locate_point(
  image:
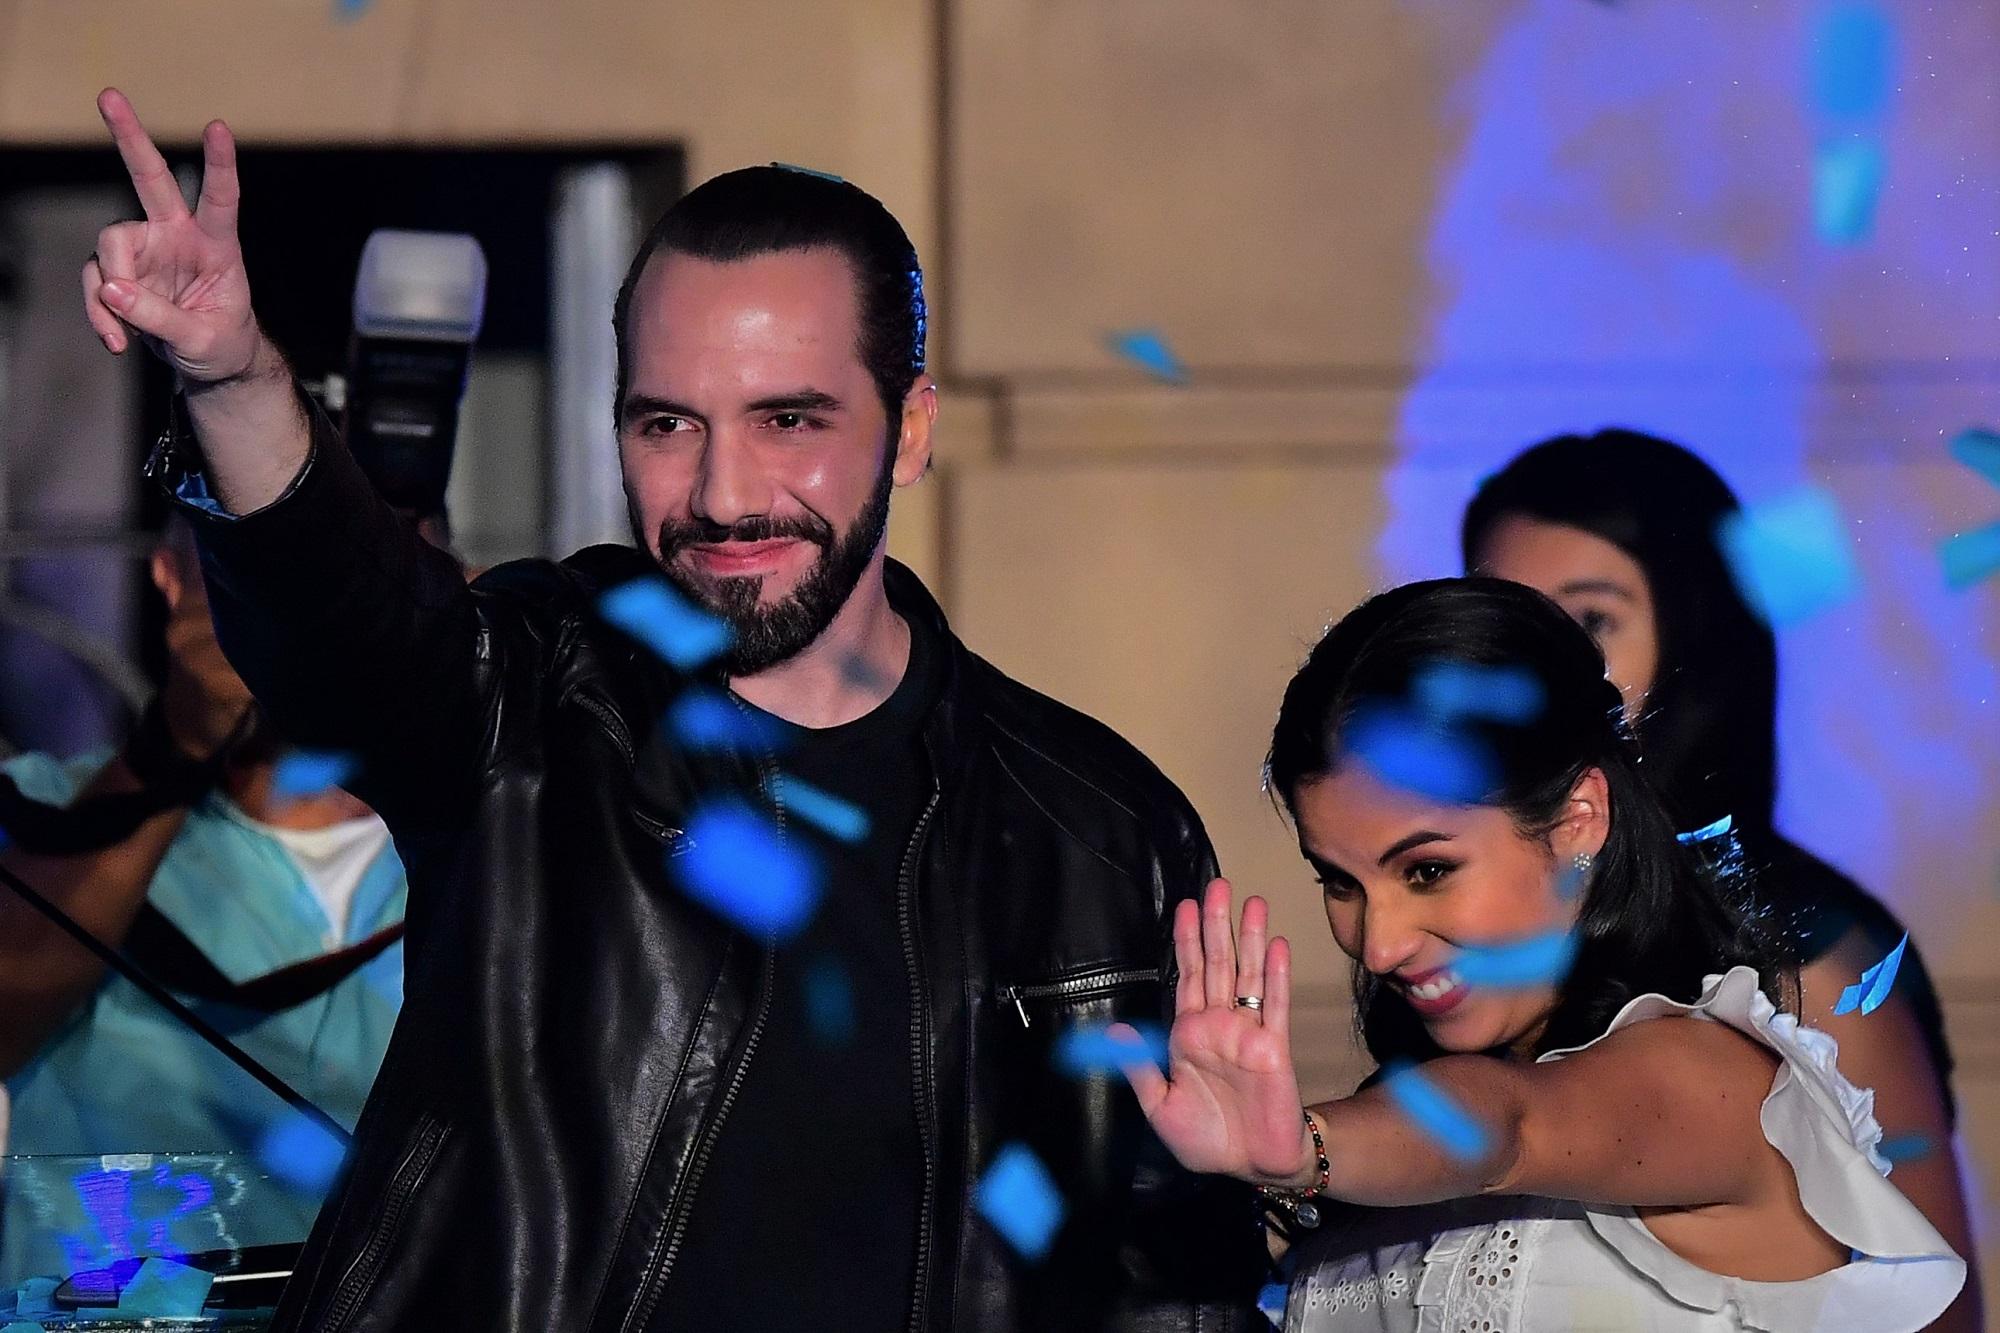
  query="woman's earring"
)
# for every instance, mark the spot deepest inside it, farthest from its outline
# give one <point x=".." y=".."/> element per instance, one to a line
<point x="1572" y="881"/>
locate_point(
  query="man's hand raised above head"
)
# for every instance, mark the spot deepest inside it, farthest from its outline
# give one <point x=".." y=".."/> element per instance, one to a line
<point x="175" y="279"/>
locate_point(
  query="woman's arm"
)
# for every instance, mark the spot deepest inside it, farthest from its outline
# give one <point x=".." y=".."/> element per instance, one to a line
<point x="1663" y="1113"/>
<point x="1886" y="1051"/>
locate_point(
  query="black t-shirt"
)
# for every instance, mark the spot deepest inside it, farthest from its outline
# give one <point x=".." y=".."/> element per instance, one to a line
<point x="806" y="1216"/>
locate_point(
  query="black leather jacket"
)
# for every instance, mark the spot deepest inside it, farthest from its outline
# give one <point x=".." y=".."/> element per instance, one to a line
<point x="575" y="1028"/>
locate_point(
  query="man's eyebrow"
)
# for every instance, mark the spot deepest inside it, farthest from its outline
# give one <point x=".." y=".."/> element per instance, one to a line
<point x="642" y="405"/>
<point x="799" y="400"/>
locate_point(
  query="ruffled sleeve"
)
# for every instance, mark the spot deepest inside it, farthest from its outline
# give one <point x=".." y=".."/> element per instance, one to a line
<point x="1903" y="1274"/>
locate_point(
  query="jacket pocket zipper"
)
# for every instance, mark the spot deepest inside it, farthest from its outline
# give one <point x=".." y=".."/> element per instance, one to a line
<point x="410" y="1173"/>
<point x="1074" y="988"/>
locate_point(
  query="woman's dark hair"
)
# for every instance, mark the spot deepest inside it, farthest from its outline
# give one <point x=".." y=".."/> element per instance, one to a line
<point x="768" y="210"/>
<point x="1649" y="919"/>
<point x="1709" y="728"/>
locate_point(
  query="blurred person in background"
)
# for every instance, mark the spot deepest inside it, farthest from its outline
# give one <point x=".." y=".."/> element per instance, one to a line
<point x="280" y="917"/>
<point x="1620" y="529"/>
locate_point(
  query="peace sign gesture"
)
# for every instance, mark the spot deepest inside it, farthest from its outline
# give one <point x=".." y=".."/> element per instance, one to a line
<point x="176" y="279"/>
<point x="1229" y="1102"/>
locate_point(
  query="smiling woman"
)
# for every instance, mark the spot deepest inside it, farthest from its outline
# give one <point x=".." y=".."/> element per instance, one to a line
<point x="1635" y="1135"/>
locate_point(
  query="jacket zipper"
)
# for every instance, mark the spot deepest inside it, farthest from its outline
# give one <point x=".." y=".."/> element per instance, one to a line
<point x="1072" y="987"/>
<point x="360" y="1274"/>
<point x="660" y="1266"/>
<point x="920" y="1048"/>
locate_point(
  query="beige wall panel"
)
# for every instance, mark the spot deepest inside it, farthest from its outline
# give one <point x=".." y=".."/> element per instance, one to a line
<point x="1255" y="183"/>
<point x="275" y="69"/>
<point x="1174" y="602"/>
<point x="844" y="87"/>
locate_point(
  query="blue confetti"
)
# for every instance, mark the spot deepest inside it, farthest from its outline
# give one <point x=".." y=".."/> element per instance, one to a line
<point x="1847" y="183"/>
<point x="1868" y="993"/>
<point x="1271" y="1302"/>
<point x="1405" y="750"/>
<point x="1852" y="62"/>
<point x="1450" y="691"/>
<point x="829" y="1004"/>
<point x="162" y="1289"/>
<point x="1094" y="1049"/>
<point x="1147" y="349"/>
<point x="808" y="171"/>
<point x="346" y="11"/>
<point x="1791" y="557"/>
<point x="301" y="1153"/>
<point x="1571" y="881"/>
<point x="674" y="628"/>
<point x="304" y="773"/>
<point x="823" y="810"/>
<point x="1970" y="556"/>
<point x="1899" y="1148"/>
<point x="1721" y="828"/>
<point x="1448" y="1124"/>
<point x="734" y="862"/>
<point x="1538" y="960"/>
<point x="22" y="1326"/>
<point x="1980" y="451"/>
<point x="708" y="720"/>
<point x="1017" y="1196"/>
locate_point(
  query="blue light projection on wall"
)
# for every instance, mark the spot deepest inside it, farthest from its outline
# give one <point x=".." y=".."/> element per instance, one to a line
<point x="1627" y="237"/>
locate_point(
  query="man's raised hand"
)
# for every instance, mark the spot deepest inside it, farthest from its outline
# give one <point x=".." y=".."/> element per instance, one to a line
<point x="176" y="279"/>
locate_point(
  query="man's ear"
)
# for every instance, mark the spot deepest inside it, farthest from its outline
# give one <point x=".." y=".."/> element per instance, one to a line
<point x="913" y="439"/>
<point x="168" y="577"/>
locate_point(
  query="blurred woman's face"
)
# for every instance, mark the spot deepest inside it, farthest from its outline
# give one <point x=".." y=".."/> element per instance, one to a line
<point x="1409" y="883"/>
<point x="1603" y="589"/>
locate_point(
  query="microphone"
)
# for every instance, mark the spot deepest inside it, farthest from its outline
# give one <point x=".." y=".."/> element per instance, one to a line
<point x="419" y="299"/>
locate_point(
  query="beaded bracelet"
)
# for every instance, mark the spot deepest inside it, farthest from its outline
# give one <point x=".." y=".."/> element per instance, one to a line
<point x="1298" y="1204"/>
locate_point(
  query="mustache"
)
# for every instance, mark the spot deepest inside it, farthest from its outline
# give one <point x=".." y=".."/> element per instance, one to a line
<point x="676" y="534"/>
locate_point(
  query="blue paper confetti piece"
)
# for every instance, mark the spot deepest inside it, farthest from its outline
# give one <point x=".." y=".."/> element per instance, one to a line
<point x="22" y="1326"/>
<point x="162" y="1289"/>
<point x="1405" y="750"/>
<point x="301" y="1153"/>
<point x="1454" y="690"/>
<point x="808" y="171"/>
<point x="1147" y="349"/>
<point x="829" y="1003"/>
<point x="1847" y="183"/>
<point x="1868" y="993"/>
<point x="1852" y="61"/>
<point x="1537" y="960"/>
<point x="36" y="1296"/>
<point x="346" y="11"/>
<point x="1899" y="1148"/>
<point x="1570" y="881"/>
<point x="708" y="720"/>
<point x="823" y="810"/>
<point x="734" y="862"/>
<point x="1721" y="828"/>
<point x="1271" y="1299"/>
<point x="1094" y="1049"/>
<point x="1970" y="556"/>
<point x="1447" y="1124"/>
<point x="1979" y="450"/>
<point x="674" y="628"/>
<point x="1791" y="557"/>
<point x="304" y="773"/>
<point x="1017" y="1196"/>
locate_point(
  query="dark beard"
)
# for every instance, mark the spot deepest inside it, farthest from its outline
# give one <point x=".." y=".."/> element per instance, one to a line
<point x="764" y="636"/>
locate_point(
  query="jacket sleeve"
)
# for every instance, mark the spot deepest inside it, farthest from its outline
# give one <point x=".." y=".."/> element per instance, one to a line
<point x="1199" y="1236"/>
<point x="353" y="633"/>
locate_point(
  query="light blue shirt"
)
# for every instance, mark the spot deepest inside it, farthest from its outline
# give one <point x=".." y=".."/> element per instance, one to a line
<point x="124" y="1076"/>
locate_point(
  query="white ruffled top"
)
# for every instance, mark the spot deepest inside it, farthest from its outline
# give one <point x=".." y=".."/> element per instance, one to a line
<point x="1506" y="1264"/>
